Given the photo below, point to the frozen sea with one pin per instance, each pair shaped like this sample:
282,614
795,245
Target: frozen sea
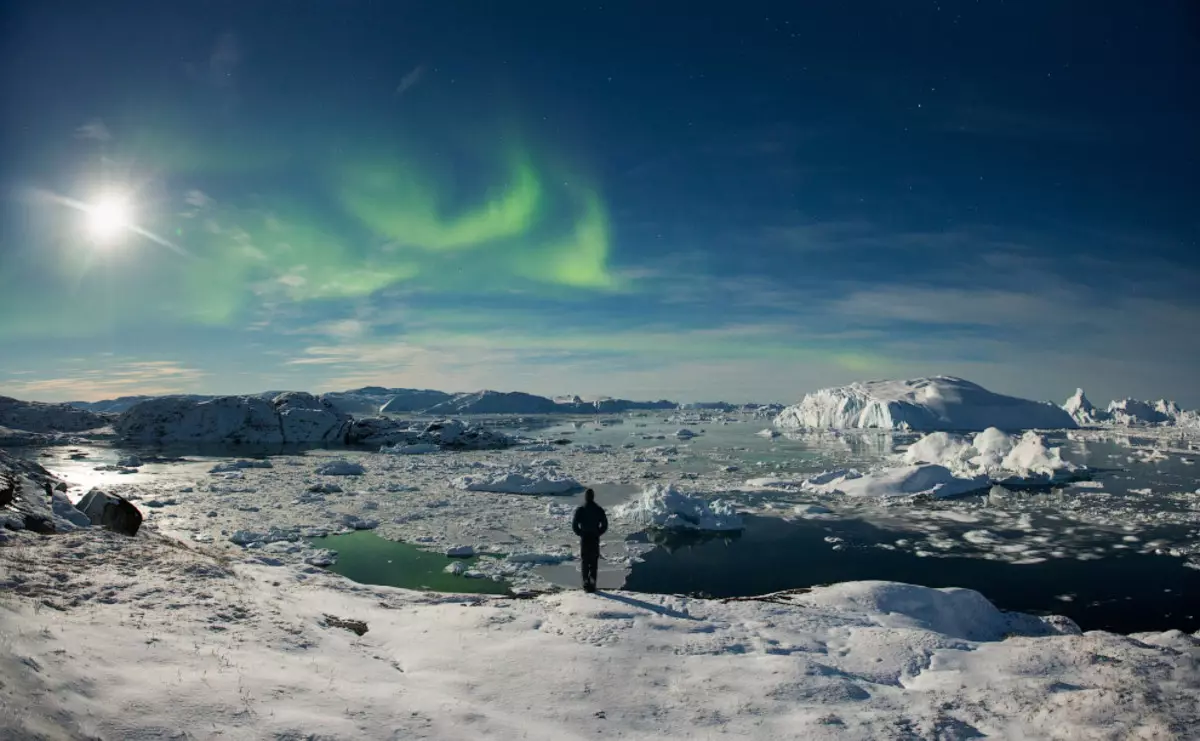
1118,550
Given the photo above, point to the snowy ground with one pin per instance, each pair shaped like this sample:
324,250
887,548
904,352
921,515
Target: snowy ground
108,637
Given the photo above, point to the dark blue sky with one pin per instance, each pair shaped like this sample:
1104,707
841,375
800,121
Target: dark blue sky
633,198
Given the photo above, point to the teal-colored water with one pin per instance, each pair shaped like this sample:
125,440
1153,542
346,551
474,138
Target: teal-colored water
369,559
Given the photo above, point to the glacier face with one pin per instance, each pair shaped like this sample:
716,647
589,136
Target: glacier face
935,403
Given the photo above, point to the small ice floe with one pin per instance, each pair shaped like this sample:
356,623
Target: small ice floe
523,480
458,568
684,433
768,433
460,551
321,557
664,507
922,479
129,461
810,510
238,465
341,467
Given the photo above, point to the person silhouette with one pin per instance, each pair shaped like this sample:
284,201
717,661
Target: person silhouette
589,524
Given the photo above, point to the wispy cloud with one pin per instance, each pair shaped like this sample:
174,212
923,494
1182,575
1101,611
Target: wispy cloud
108,379
94,130
410,80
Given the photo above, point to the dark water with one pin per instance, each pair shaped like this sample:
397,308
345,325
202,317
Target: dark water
1123,593
369,559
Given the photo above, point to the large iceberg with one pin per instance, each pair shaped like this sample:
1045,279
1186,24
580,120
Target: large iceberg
36,416
937,403
291,417
664,507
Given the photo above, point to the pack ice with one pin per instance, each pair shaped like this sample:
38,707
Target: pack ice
936,403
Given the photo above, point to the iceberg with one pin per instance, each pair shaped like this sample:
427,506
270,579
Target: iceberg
36,416
923,404
922,479
291,417
664,507
522,480
994,455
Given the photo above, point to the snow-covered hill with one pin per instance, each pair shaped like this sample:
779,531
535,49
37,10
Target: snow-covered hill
937,403
147,637
36,416
495,402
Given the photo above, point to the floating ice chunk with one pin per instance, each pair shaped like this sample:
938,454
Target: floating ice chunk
768,433
1031,458
538,558
941,448
773,482
684,434
129,461
232,466
923,479
460,551
341,467
807,510
458,568
664,507
525,480
409,449
321,557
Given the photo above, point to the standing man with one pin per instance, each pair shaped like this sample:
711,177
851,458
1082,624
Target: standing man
589,524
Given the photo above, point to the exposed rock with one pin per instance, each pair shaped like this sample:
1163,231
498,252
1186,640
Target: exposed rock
110,511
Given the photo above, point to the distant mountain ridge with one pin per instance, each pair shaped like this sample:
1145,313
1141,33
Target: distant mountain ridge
370,400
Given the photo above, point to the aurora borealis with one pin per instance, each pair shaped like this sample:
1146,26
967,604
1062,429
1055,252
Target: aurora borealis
624,199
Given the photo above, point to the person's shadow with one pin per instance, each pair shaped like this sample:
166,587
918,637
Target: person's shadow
658,609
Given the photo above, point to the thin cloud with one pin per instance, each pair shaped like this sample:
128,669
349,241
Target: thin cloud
94,130
127,378
410,80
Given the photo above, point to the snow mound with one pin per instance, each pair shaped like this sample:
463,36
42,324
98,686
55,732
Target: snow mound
664,507
292,417
521,480
953,612
902,481
36,416
937,403
994,455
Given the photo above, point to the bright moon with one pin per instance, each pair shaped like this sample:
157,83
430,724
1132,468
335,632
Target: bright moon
108,217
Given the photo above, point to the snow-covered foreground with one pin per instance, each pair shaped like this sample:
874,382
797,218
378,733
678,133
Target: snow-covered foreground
103,636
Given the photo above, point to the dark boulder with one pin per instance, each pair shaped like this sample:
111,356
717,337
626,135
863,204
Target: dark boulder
111,511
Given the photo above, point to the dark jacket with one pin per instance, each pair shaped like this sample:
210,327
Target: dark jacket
590,521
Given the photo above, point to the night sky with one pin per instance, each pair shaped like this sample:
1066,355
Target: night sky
741,201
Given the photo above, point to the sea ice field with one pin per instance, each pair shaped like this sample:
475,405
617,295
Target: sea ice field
1129,509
